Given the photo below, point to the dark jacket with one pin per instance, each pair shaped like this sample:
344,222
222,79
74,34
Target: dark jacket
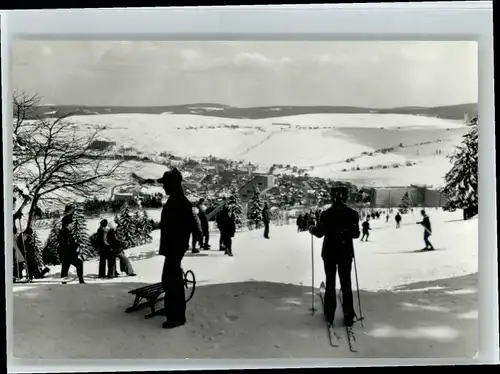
266,216
426,222
102,248
178,221
115,243
226,222
67,245
366,226
339,225
398,218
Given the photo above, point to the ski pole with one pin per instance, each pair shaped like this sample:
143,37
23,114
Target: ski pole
312,284
357,287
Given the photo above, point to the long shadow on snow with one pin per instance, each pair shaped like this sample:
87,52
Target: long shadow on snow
257,319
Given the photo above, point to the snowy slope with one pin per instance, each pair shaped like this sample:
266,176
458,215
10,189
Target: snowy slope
237,313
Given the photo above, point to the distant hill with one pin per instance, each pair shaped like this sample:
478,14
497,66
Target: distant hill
455,112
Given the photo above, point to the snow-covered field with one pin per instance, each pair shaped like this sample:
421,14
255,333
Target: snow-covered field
316,141
255,304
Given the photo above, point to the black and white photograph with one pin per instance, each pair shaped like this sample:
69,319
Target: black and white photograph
245,199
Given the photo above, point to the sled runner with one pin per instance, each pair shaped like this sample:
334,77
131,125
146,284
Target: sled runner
152,294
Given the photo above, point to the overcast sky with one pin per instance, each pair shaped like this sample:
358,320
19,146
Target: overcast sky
369,74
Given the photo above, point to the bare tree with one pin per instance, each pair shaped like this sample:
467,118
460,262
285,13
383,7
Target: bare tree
56,159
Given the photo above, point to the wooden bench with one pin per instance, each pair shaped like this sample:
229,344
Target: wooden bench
151,293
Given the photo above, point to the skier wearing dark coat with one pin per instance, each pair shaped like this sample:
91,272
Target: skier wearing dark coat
300,223
69,253
398,220
204,224
266,219
177,224
117,250
227,227
366,229
339,224
426,223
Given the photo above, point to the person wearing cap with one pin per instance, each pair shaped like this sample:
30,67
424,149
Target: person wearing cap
339,225
176,225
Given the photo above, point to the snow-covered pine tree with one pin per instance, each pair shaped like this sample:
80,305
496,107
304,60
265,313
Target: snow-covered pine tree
234,205
255,209
405,204
80,234
50,253
462,179
147,226
34,246
126,228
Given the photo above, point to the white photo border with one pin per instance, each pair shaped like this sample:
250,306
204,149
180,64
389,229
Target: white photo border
446,21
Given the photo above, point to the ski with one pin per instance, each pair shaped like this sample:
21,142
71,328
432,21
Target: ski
351,336
332,334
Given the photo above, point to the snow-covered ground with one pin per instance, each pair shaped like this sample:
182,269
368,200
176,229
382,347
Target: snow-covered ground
311,140
255,304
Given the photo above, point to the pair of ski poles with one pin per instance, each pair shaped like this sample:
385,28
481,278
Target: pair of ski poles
313,309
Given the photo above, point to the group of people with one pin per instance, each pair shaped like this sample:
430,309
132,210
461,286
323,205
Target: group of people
25,264
110,249
426,223
307,220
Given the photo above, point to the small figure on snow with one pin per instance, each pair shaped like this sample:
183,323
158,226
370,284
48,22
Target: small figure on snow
25,243
205,236
69,253
300,223
117,250
227,227
266,219
339,224
426,223
387,218
178,222
19,260
197,235
398,218
366,229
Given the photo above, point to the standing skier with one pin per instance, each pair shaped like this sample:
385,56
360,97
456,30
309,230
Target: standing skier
266,219
176,225
426,223
69,253
398,220
339,224
366,229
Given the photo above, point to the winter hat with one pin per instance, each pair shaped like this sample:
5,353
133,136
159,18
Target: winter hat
173,176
